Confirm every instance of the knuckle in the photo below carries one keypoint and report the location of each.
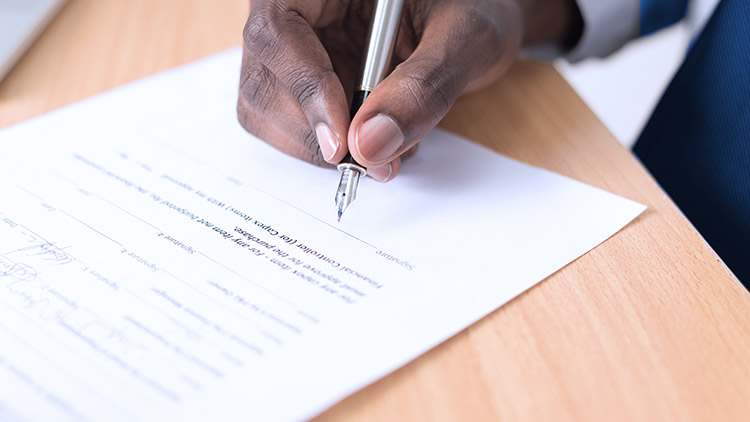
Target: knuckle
(256, 85)
(307, 85)
(261, 33)
(430, 91)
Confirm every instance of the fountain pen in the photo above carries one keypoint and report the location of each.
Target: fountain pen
(381, 40)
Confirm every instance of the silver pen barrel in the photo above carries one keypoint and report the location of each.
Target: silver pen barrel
(381, 41)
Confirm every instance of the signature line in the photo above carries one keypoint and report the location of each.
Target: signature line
(93, 229)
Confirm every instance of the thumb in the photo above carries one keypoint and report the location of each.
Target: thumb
(456, 48)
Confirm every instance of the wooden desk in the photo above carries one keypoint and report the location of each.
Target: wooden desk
(649, 325)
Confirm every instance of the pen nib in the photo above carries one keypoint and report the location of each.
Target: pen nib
(347, 190)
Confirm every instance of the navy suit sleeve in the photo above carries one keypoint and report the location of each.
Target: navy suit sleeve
(657, 14)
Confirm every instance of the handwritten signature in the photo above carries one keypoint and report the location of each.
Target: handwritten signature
(16, 271)
(45, 251)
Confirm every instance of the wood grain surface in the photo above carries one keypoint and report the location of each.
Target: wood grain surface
(650, 325)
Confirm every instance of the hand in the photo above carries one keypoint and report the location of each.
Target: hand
(301, 60)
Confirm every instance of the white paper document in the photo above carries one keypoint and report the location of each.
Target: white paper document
(159, 263)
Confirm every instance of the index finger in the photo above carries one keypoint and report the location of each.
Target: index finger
(280, 35)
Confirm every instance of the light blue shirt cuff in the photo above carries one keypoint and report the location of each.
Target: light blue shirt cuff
(607, 26)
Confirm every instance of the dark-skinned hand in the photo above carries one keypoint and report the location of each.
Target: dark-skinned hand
(301, 59)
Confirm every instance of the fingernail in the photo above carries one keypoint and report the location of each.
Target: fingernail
(327, 140)
(380, 174)
(378, 139)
